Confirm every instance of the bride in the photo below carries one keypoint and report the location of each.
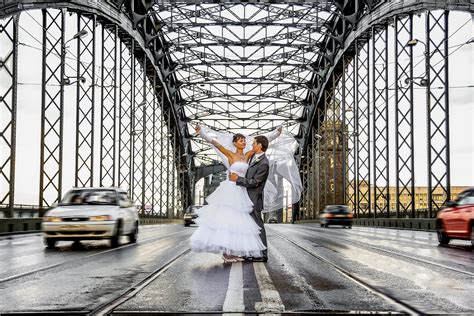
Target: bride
(225, 224)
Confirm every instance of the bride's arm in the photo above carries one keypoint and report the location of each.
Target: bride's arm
(207, 138)
(249, 155)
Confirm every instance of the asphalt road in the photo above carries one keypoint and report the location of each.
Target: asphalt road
(309, 269)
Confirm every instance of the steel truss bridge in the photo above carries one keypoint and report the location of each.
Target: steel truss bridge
(136, 74)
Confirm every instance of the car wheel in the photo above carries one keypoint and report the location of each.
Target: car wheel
(442, 238)
(350, 226)
(114, 240)
(326, 225)
(187, 225)
(133, 235)
(50, 243)
(322, 225)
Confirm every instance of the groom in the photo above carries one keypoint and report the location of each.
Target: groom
(254, 181)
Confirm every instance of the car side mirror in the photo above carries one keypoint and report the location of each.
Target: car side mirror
(451, 204)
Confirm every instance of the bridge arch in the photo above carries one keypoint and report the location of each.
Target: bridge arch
(353, 31)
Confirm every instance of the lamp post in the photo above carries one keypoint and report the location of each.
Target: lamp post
(66, 80)
(425, 82)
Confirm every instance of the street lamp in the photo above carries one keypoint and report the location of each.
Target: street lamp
(66, 80)
(80, 34)
(424, 81)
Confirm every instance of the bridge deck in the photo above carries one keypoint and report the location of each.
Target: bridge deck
(309, 269)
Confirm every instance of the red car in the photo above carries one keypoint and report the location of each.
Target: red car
(456, 220)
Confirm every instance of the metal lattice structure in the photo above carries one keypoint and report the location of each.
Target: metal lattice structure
(85, 107)
(8, 108)
(437, 109)
(108, 94)
(149, 70)
(242, 65)
(380, 119)
(404, 116)
(52, 107)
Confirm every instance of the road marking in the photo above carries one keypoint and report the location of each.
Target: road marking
(234, 298)
(271, 301)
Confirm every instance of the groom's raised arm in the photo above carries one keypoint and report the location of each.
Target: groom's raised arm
(256, 180)
(273, 134)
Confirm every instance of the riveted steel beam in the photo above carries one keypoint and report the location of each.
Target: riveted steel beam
(8, 109)
(52, 107)
(85, 106)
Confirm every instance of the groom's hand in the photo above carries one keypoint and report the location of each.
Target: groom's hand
(233, 177)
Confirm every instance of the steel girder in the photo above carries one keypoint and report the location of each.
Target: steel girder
(371, 34)
(52, 106)
(438, 110)
(240, 65)
(337, 43)
(115, 25)
(85, 106)
(404, 147)
(8, 108)
(380, 119)
(108, 93)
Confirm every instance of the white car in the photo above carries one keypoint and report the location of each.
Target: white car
(91, 213)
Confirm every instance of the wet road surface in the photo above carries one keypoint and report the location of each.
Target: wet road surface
(309, 269)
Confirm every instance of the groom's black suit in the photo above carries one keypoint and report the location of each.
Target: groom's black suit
(254, 181)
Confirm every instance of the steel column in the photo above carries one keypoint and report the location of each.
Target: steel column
(85, 105)
(148, 152)
(322, 156)
(338, 131)
(137, 133)
(52, 107)
(439, 182)
(351, 141)
(363, 130)
(126, 88)
(404, 146)
(8, 108)
(108, 105)
(344, 133)
(380, 120)
(160, 134)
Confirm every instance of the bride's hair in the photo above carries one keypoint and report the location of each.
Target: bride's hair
(237, 137)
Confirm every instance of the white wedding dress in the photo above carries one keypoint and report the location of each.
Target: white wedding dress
(225, 224)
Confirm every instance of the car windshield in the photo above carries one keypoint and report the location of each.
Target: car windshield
(90, 197)
(465, 195)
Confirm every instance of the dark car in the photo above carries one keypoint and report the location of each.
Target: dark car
(190, 214)
(336, 215)
(273, 220)
(456, 220)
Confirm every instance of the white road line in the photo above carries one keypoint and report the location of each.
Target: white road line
(271, 301)
(234, 298)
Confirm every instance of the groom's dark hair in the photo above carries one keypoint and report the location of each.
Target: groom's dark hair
(237, 137)
(262, 140)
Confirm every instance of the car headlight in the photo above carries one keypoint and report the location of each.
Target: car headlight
(100, 218)
(52, 219)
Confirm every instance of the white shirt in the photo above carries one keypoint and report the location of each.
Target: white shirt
(256, 156)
